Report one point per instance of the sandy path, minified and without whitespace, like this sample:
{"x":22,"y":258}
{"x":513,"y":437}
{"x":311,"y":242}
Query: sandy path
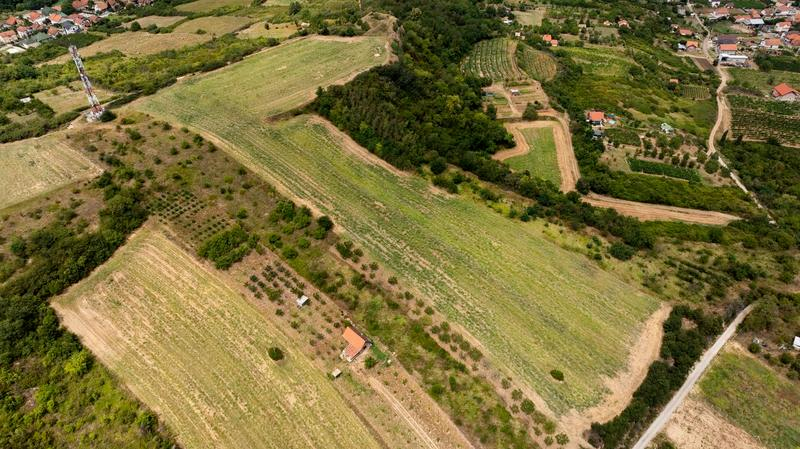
{"x":403,"y":413}
{"x":658,"y":212}
{"x":697,"y":426}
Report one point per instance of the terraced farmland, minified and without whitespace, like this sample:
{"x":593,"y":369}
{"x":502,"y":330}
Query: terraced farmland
{"x":193,"y":350}
{"x":534,"y":306}
{"x":541,"y":160}
{"x":283,"y":77}
{"x":538,"y":64}
{"x":35,"y":166}
{"x":695,"y":92}
{"x":759,"y":119}
{"x":494,"y":59}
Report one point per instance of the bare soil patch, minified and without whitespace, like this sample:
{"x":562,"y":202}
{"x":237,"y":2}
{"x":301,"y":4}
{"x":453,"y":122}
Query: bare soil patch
{"x":697,"y":426}
{"x":658,"y":212}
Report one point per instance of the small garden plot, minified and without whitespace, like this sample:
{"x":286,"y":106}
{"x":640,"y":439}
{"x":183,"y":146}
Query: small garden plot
{"x":275,"y":30}
{"x":35,"y":166}
{"x":755,"y":398}
{"x":539,"y":65}
{"x":67,"y":99}
{"x":541,"y":161}
{"x":214,"y":25}
{"x":189,"y":346}
{"x":623,"y":136}
{"x":210,"y":5}
{"x":761,"y":119}
{"x":494,"y":59}
{"x":695,"y":92}
{"x":659,"y":168}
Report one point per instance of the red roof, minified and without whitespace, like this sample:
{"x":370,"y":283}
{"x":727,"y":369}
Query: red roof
{"x":728,"y":47}
{"x":33,"y":15}
{"x":685,"y":32}
{"x":782,"y":89}
{"x":772,"y":42}
{"x":11,"y":20}
{"x":694,"y":44}
{"x":355,"y":342}
{"x":547,"y":38}
{"x":596,"y":116}
{"x":52,"y":31}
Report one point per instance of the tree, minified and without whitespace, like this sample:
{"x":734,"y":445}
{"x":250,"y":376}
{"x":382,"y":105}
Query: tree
{"x":107,"y":116}
{"x":135,"y":26}
{"x":557,"y":375}
{"x":275,"y":353}
{"x":530,"y":112}
{"x":294,"y":8}
{"x":438,"y":165}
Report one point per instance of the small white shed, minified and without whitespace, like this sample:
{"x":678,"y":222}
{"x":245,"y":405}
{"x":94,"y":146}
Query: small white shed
{"x":301,"y":301}
{"x":796,"y":343}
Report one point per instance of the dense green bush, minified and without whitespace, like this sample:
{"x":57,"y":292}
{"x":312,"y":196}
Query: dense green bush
{"x":227,"y":247}
{"x":658,"y":168}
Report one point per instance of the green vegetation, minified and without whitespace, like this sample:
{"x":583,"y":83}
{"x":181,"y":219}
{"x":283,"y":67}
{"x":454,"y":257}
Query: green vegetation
{"x":695,"y":92}
{"x":493,"y":59}
{"x":624,"y":136}
{"x":759,"y":82}
{"x":763,"y":119}
{"x":538,"y":64}
{"x":541,"y":161}
{"x":226,"y":247}
{"x":658,"y":168}
{"x":754,"y":398}
{"x":469,"y":273}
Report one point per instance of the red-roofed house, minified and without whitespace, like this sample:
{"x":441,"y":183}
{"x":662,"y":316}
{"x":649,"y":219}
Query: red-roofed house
{"x":11,"y":21}
{"x":719,"y":13}
{"x":7,"y":37}
{"x":53,"y":31}
{"x":772,"y":43}
{"x":547,"y":38}
{"x":728,"y":48}
{"x":685,"y":32}
{"x":622,"y":23}
{"x":34,"y":17}
{"x":356,"y":344}
{"x":554,"y":43}
{"x":80,"y":4}
{"x":692,"y":45}
{"x":785,"y":92}
{"x":24,"y":32}
{"x":595,"y":117}
{"x":782,"y":27}
{"x":55,"y":18}
{"x":100,"y":7}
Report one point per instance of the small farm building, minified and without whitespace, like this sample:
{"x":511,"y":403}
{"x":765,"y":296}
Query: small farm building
{"x":596,"y":117}
{"x":336,"y":373}
{"x":785,"y":92}
{"x":734,"y":60}
{"x":356,"y":344}
{"x":667,"y":129}
{"x":301,"y":301}
{"x":796,"y":343}
{"x":728,"y":48}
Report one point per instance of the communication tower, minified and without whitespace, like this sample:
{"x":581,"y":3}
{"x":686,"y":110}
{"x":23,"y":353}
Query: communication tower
{"x":95,"y":107}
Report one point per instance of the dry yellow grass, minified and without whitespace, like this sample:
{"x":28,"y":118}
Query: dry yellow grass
{"x":63,"y":99}
{"x":195,"y":351}
{"x":159,"y":21}
{"x":35,"y":166}
{"x":276,"y":30}
{"x":214,"y":25}
{"x":139,"y":43}
{"x":210,"y":5}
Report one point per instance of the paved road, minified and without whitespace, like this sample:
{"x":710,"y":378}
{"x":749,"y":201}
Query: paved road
{"x":691,"y":380}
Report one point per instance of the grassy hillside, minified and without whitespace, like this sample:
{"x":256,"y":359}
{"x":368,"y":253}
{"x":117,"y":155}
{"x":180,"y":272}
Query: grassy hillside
{"x":534,"y":306}
{"x":171,"y":329}
{"x":755,"y":398}
{"x":541,"y":161}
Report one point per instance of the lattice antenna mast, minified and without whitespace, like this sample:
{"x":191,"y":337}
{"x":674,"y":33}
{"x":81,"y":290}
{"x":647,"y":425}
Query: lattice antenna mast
{"x":96,"y":107}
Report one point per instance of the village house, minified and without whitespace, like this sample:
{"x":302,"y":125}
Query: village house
{"x":785,"y":92}
{"x":730,"y":49}
{"x":596,"y":118}
{"x":772,"y":43}
{"x":554,"y":43}
{"x":80,"y":5}
{"x":622,"y":23}
{"x":782,"y":27}
{"x":7,"y":37}
{"x":356,"y":344}
{"x":685,"y":32}
{"x":692,"y":45}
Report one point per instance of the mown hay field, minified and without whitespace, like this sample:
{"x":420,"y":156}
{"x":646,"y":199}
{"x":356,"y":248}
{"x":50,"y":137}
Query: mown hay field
{"x":283,"y":77}
{"x":31,"y":167}
{"x":276,"y":30}
{"x":755,"y":398}
{"x":494,"y":59}
{"x":137,"y":43}
{"x":210,"y":5}
{"x":541,"y":161}
{"x":214,"y":25}
{"x":195,"y":351}
{"x":159,"y":21}
{"x":532,"y":17}
{"x":534,"y":306}
{"x":65,"y":99}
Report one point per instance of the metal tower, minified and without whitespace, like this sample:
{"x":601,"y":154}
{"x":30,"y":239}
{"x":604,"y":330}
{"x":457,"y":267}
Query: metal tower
{"x":95,"y":107}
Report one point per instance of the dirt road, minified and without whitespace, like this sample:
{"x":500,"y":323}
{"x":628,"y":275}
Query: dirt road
{"x":691,"y":380}
{"x":658,"y":212}
{"x":403,"y":413}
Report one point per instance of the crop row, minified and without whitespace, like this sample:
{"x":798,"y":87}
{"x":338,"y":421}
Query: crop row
{"x":491,"y":59}
{"x":658,"y":168}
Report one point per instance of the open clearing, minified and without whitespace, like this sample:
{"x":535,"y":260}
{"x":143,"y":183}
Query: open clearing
{"x":63,"y":99}
{"x":276,"y":30}
{"x":534,"y":306}
{"x":137,"y":43}
{"x":278,"y":79}
{"x":754,"y":398}
{"x":539,"y":155}
{"x":530,"y":18}
{"x":214,"y":25}
{"x":194,"y":351}
{"x":697,"y":426}
{"x":159,"y":21}
{"x":210,"y":5}
{"x":34,"y":166}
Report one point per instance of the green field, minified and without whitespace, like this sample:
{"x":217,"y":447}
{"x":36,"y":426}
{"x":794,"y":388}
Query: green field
{"x":755,"y":398}
{"x":601,"y":61}
{"x":541,"y":160}
{"x":493,"y":59}
{"x":283,"y":77}
{"x":759,"y":119}
{"x":193,"y":350}
{"x":763,"y":82}
{"x":210,"y":5}
{"x":35,"y":166}
{"x":537,"y":64}
{"x":695,"y":92}
{"x":534,"y":306}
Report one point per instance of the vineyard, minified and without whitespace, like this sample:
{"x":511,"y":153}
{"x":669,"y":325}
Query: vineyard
{"x":534,"y":306}
{"x":537,"y":64}
{"x":494,"y":59}
{"x":139,"y":314}
{"x":659,"y":168}
{"x":601,"y":61}
{"x":695,"y":92}
{"x":35,"y":166}
{"x":760,"y":119}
